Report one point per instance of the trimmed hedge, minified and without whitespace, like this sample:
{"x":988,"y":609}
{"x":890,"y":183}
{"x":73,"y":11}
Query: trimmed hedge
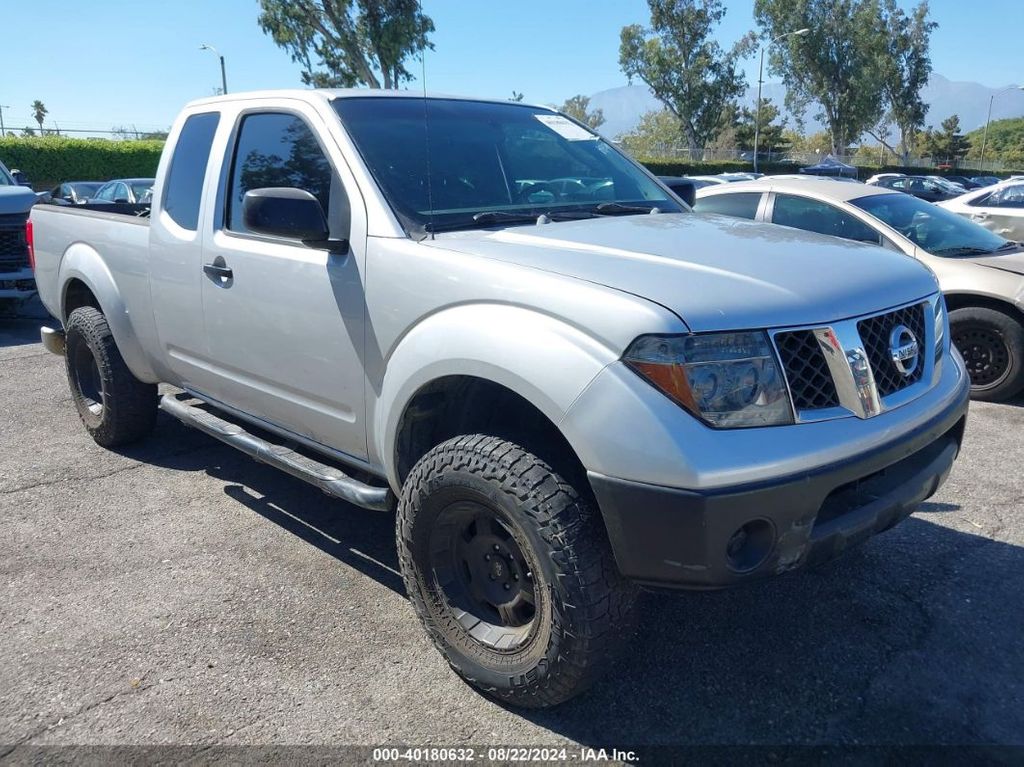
{"x":48,"y":160}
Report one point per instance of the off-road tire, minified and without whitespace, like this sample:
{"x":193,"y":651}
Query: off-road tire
{"x":973,"y":328}
{"x":115,"y":406}
{"x":584,"y":608}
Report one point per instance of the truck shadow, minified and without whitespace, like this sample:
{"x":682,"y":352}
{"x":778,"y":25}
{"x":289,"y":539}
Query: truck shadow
{"x":18,"y":332}
{"x":912,"y":638}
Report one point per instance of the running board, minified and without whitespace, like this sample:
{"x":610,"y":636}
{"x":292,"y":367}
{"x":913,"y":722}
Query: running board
{"x":331,"y":480}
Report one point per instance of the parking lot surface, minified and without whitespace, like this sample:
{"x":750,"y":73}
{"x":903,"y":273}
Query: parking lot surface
{"x":178,"y":592}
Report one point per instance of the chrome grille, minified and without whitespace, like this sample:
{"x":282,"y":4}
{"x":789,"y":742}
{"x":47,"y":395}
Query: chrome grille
{"x":13,"y":250}
{"x":810,"y":381}
{"x":875,"y":332}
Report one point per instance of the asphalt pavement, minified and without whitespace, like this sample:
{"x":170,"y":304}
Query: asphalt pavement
{"x":178,"y":592}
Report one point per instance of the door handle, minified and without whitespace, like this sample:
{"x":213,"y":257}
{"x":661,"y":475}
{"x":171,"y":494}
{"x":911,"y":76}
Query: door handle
{"x":979,"y":216}
{"x":218,"y":271}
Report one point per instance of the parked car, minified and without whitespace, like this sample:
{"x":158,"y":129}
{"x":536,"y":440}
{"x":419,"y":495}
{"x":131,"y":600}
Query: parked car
{"x":947,"y":184}
{"x":131,"y":191}
{"x":983,"y":181}
{"x":919,"y":186}
{"x":979,"y":272}
{"x":74,"y":192}
{"x":17,"y":283}
{"x":562,"y":397}
{"x":684,"y":188}
{"x":879,"y":176}
{"x":999,"y":208}
{"x":966,"y":183}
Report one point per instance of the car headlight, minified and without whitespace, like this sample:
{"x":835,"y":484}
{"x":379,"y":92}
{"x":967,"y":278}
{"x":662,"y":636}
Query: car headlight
{"x":941,"y":324}
{"x":728,"y":380}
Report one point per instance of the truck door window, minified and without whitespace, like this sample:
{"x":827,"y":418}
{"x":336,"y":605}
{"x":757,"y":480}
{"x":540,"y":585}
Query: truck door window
{"x":278,"y":150}
{"x":738,"y":204}
{"x":184,"y":189}
{"x":815,"y":216}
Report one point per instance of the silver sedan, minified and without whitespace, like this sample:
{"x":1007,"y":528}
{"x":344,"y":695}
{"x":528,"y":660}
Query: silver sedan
{"x":979,"y":271}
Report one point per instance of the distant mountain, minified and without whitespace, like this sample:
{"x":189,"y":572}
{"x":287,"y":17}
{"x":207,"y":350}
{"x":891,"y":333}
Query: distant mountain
{"x":624,"y":106}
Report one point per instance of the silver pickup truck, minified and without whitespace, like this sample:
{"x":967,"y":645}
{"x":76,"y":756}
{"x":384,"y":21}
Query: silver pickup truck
{"x":485,"y":317}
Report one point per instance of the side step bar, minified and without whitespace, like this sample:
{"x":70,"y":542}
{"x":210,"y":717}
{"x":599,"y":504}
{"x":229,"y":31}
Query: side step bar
{"x":331,"y":480}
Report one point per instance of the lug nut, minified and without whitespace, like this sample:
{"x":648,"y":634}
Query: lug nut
{"x":497,"y":547}
{"x":487,"y":557}
{"x":507,"y":587}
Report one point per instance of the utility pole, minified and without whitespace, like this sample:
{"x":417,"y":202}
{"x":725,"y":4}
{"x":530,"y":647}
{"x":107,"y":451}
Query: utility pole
{"x":984,"y":136}
{"x":760,"y":80}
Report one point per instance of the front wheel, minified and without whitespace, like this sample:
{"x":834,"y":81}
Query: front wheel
{"x":510,"y":571}
{"x":992,"y":345}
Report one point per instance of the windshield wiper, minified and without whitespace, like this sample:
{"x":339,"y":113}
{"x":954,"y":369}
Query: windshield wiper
{"x":487,"y":217}
{"x":618,"y":208}
{"x":968,"y":251}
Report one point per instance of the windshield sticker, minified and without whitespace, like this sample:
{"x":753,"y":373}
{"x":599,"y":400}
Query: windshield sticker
{"x":565,"y":128}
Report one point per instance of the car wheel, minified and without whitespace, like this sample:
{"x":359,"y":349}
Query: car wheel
{"x":510,"y":572}
{"x":992,"y":345}
{"x":115,"y":406}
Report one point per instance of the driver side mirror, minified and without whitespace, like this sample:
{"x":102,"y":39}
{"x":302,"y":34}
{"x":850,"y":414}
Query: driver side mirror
{"x":684,"y":190}
{"x":288,"y":212}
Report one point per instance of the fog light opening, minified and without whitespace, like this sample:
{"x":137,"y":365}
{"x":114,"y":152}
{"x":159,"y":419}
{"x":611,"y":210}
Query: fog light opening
{"x":750,"y":546}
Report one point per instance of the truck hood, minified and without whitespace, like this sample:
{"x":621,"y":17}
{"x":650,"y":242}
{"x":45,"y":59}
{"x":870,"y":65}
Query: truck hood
{"x":16,"y":199}
{"x":714,"y":272}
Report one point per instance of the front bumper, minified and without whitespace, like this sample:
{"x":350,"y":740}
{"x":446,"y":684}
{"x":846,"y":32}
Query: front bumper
{"x":686,"y":539}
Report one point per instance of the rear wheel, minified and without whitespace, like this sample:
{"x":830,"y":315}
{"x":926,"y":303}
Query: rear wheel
{"x":115,"y":406}
{"x":510,"y":571}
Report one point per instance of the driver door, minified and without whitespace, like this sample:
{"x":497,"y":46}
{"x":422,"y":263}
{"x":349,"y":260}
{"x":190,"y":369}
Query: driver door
{"x":284,"y":321}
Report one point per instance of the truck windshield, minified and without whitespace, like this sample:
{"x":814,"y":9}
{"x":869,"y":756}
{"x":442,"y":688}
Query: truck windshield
{"x":933,"y":229}
{"x":491,"y":164}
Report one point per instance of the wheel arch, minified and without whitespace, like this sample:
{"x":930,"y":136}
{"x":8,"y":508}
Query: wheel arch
{"x":86,"y":280}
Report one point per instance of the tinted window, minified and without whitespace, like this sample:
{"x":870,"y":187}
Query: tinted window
{"x":184,"y":188}
{"x":741,"y":204}
{"x":933,"y":229}
{"x":444,"y":162}
{"x":106,"y":193}
{"x":276,"y":150}
{"x":820,"y":217}
{"x":1009,"y":197}
{"x":142,"y":189}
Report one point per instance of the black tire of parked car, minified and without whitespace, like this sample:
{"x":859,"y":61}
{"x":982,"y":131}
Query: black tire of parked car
{"x":510,"y":572}
{"x":992,"y":345}
{"x":115,"y":406}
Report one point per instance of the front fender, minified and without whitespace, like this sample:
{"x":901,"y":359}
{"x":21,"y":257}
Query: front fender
{"x":82,"y":262}
{"x":543,"y":359}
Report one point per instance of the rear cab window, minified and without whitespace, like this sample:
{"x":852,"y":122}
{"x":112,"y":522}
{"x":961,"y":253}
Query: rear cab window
{"x":738,"y":204}
{"x":183,"y":190}
{"x":816,"y":216}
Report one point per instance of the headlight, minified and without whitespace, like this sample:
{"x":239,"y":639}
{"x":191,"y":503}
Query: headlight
{"x":728,"y":380}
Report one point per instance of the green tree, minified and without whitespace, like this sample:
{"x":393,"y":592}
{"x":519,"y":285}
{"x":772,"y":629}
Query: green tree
{"x":658,"y":134}
{"x":905,"y":67}
{"x":517,"y":96}
{"x":39,"y":112}
{"x":1005,"y":141}
{"x":578,"y":107}
{"x":836,"y":65}
{"x":947,"y":145}
{"x":346,"y":43}
{"x":686,"y":69}
{"x":772,"y":138}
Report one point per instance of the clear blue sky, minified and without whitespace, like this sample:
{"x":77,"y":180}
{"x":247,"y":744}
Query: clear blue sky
{"x":100,"y":63}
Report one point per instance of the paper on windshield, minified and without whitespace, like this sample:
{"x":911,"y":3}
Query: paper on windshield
{"x":565,"y":128}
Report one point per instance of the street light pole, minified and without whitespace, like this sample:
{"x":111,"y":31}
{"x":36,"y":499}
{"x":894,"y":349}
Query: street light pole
{"x":223,"y":72}
{"x":984,"y":136}
{"x":760,"y":81}
{"x":2,"y":108}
